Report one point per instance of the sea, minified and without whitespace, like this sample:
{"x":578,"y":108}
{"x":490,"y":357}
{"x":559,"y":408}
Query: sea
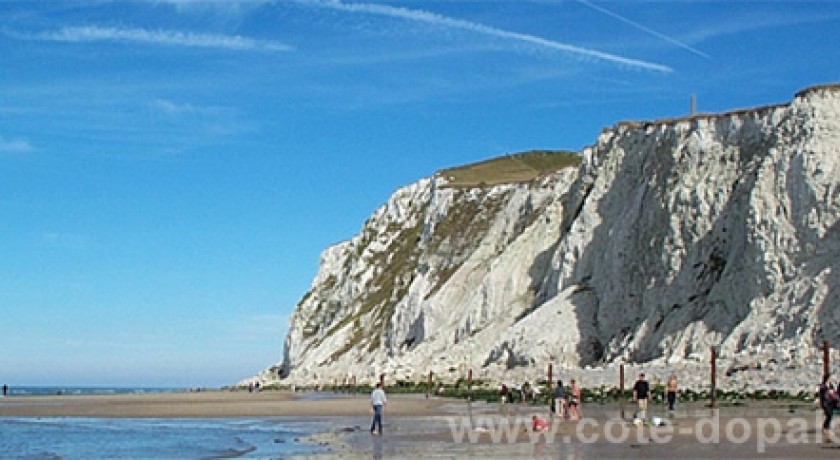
{"x":71,"y":390}
{"x":53,"y":438}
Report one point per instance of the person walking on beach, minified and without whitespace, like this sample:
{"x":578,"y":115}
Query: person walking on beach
{"x":5,"y":389}
{"x":560,"y":400}
{"x":671,"y":389}
{"x":377,"y":403}
{"x":641,"y":393}
{"x":828,"y":401}
{"x":575,"y":400}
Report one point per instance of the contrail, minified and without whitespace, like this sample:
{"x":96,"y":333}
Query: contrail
{"x":159,"y":37}
{"x":647,"y":30}
{"x":445,"y":21}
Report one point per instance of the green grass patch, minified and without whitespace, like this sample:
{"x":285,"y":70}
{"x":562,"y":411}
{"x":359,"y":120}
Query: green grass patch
{"x":387,"y":288}
{"x":520,"y":167}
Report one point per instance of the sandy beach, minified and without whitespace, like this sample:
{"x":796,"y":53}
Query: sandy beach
{"x":210,"y":404}
{"x":446,"y":428}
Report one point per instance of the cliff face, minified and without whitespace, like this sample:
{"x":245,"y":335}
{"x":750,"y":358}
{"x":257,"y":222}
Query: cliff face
{"x":669,"y":238}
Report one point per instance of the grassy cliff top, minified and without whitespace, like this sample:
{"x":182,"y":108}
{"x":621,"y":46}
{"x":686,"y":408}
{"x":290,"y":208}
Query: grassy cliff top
{"x":520,"y":167}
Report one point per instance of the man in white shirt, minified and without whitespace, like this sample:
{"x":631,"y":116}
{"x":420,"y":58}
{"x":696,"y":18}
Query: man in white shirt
{"x":377,"y":402}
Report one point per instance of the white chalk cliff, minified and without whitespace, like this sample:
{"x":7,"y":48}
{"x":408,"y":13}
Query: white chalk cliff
{"x":670,"y":237}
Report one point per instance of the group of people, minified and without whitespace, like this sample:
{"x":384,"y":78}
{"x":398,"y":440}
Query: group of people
{"x":642,"y":393}
{"x":567,"y":406}
{"x":566,"y":402}
{"x":524,"y":392}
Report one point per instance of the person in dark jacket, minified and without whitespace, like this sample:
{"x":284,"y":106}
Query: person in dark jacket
{"x":560,"y":403}
{"x":828,"y":401}
{"x":641,"y":394}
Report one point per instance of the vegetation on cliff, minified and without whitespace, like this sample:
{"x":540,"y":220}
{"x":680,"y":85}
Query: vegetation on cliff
{"x":520,"y":167}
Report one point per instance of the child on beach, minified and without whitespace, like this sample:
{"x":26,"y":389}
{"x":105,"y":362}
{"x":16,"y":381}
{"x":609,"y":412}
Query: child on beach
{"x":538,"y":424}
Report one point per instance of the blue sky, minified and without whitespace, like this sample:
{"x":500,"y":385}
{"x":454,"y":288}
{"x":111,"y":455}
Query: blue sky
{"x":171,"y":170}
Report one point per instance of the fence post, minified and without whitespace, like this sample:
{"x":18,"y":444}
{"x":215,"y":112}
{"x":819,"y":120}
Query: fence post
{"x":826,"y":358}
{"x":621,"y":388}
{"x":429,"y":385}
{"x":550,"y":377}
{"x":714,"y":378}
{"x":550,"y":394}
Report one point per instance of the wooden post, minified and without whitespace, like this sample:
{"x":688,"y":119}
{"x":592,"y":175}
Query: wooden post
{"x":429,"y":385}
{"x":550,"y":368}
{"x":714,"y":378}
{"x":826,"y":358}
{"x":550,"y":393}
{"x":621,"y":388}
{"x":469,"y":384}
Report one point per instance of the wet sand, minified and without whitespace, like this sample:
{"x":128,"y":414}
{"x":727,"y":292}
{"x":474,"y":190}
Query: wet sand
{"x":209,"y":404}
{"x":417,"y":427}
{"x":759,"y":430}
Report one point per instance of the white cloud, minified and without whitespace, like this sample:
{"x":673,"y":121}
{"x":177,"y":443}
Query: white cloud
{"x":14,"y":145}
{"x":161,"y":37}
{"x":173,"y":109}
{"x":170,"y":108}
{"x":453,"y":23}
{"x":734,"y":26}
{"x":225,"y":7}
{"x":65,"y":240}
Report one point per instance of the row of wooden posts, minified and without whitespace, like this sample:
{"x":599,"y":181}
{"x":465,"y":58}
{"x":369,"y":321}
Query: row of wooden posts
{"x":826,"y":369}
{"x":713,"y":377}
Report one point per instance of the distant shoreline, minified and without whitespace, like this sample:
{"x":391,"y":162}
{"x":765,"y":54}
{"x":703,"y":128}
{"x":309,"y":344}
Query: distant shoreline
{"x":81,"y":390}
